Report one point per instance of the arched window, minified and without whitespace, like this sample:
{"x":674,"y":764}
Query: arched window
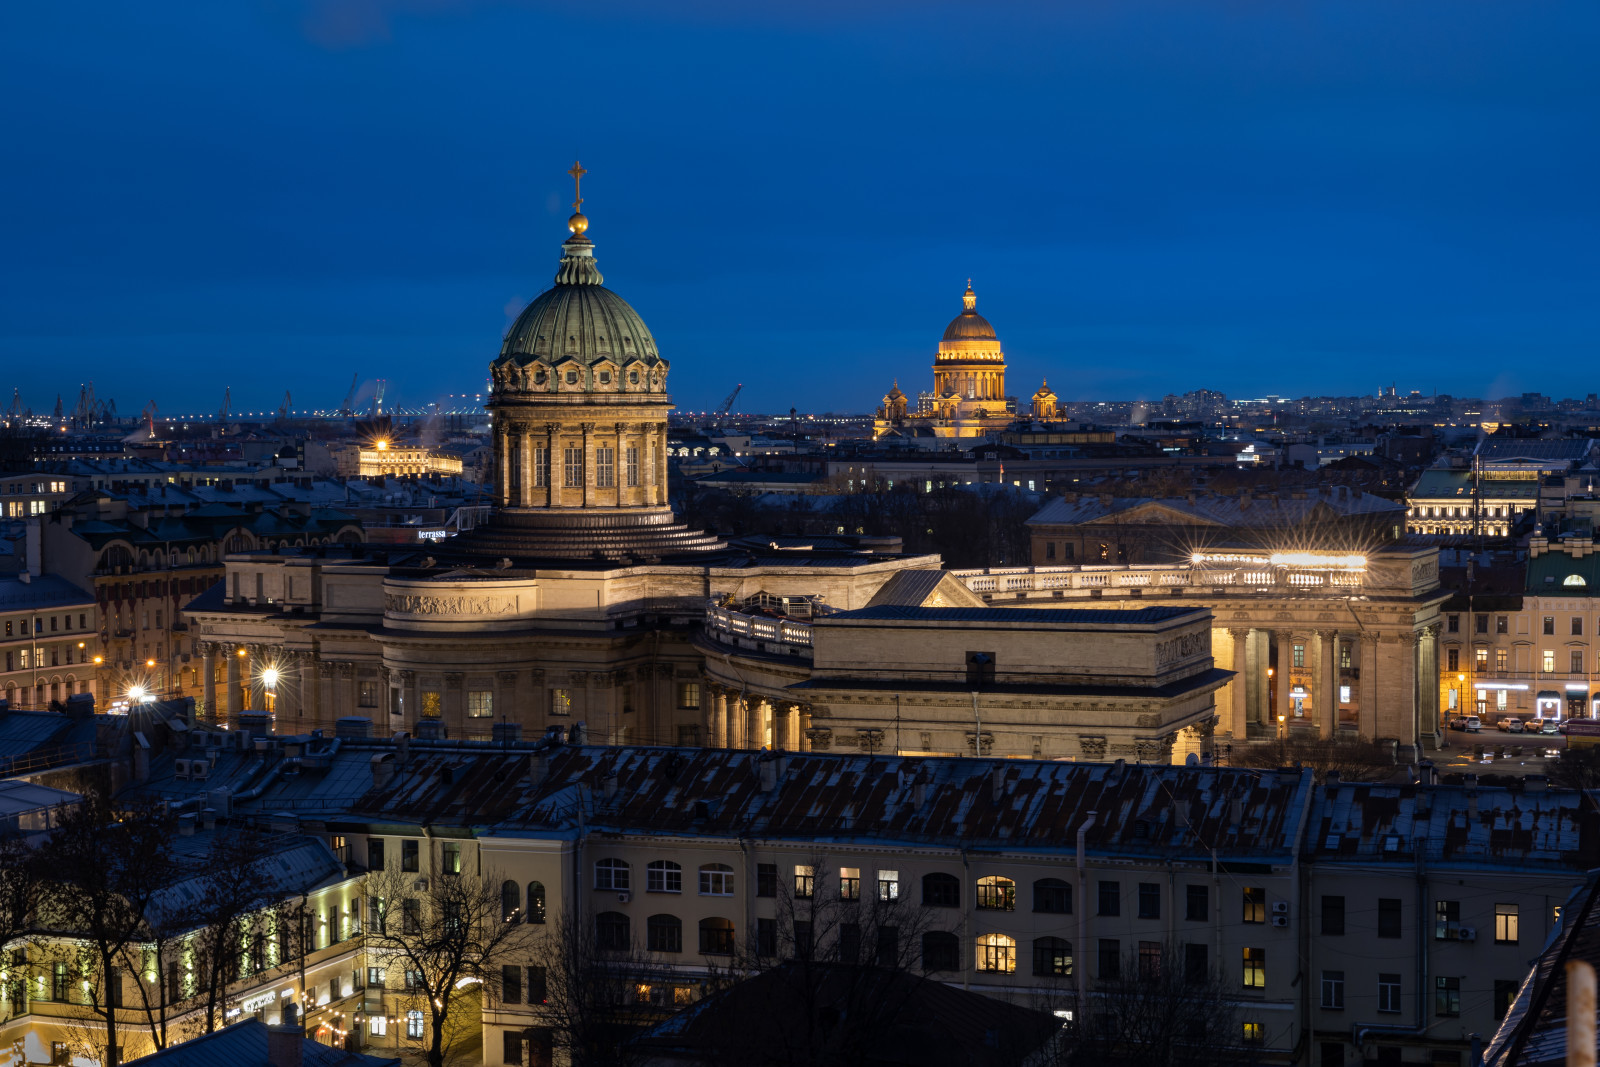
{"x":664,"y":933}
{"x":1052,"y":895}
{"x":611,"y":932}
{"x":535,"y":912}
{"x":997,"y":894}
{"x":1052,"y":956}
{"x":716,"y":880}
{"x":941,"y":890}
{"x":997,"y":952}
{"x":611,"y":874}
{"x":663,"y":876}
{"x":510,"y":902}
{"x":941,"y":951}
{"x":716,"y":937}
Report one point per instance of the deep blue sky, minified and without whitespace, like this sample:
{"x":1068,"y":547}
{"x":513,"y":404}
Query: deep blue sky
{"x":1249,"y":196}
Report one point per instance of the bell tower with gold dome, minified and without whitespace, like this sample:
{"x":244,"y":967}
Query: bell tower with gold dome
{"x":579,"y":405}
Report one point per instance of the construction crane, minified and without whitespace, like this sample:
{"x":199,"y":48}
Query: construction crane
{"x":227,"y":404}
{"x":377,"y":399}
{"x":347,"y":408}
{"x":727,"y":405}
{"x":150,"y":418}
{"x":283,"y":408}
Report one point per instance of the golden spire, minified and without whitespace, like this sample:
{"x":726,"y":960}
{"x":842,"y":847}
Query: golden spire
{"x":969,"y":299}
{"x":577,"y":223}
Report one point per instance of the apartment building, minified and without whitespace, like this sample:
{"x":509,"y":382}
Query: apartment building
{"x":1344,"y":922}
{"x":48,"y":640}
{"x":1528,"y":655}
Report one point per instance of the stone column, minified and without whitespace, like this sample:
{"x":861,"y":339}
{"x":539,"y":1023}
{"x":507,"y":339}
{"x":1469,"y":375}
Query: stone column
{"x":803,"y":716}
{"x":758,"y":723}
{"x":410,"y":699}
{"x":720,"y":734}
{"x":1239,"y":638}
{"x":738,"y":718}
{"x":1367,"y":713}
{"x":235,"y":694}
{"x":1259,"y":656}
{"x":619,"y":463}
{"x":208,"y":661}
{"x":502,"y":468}
{"x":552,"y":492}
{"x":1281,"y":678}
{"x":661,"y":473}
{"x":588,"y":463}
{"x":528,"y":490}
{"x":1427,"y":670}
{"x":791,"y":727}
{"x":1325,"y":701}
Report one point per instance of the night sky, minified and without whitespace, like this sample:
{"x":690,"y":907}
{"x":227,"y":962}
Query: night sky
{"x":1269,"y":197}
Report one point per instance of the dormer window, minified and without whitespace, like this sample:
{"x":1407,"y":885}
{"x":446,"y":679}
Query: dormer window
{"x":633,"y":377}
{"x":605,"y":377}
{"x":1574,"y":579}
{"x":572,"y":377}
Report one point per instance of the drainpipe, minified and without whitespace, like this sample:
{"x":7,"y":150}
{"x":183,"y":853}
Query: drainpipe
{"x":1078,"y":964}
{"x":967,"y":944}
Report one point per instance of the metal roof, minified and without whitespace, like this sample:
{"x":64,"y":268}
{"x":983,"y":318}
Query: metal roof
{"x":244,"y":1044}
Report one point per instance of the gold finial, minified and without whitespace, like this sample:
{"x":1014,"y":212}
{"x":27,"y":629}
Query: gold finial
{"x":969,"y":299}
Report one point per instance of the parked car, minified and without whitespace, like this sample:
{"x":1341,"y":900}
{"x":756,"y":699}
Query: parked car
{"x":1472,"y":724}
{"x":1510,"y":724}
{"x":1549,"y":726}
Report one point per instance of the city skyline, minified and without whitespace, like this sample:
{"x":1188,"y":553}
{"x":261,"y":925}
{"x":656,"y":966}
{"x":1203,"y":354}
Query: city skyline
{"x":1148,"y":199}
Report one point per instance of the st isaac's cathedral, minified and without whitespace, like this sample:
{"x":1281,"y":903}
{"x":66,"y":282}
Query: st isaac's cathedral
{"x":584,"y":607}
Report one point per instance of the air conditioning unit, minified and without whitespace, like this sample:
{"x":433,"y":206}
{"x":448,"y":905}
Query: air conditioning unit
{"x":1280,"y":907}
{"x":1280,"y":920}
{"x":200,"y":769}
{"x":180,"y":769}
{"x":1467,"y":933}
{"x":420,"y":884}
{"x":624,"y":896}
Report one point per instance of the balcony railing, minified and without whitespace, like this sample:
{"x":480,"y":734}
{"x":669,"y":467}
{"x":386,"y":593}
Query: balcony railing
{"x":729,"y":625}
{"x":1091,"y":577}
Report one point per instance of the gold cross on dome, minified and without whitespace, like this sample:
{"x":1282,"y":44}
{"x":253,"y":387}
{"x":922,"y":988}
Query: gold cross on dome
{"x":577,"y":173}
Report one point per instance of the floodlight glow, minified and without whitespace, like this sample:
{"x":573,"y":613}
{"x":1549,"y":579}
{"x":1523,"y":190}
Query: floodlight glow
{"x":137,"y":693}
{"x":1320,"y":560}
{"x":270,"y":677}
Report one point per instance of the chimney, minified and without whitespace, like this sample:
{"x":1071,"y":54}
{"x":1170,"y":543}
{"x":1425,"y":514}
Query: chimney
{"x":538,"y":769}
{"x":997,"y":783}
{"x":768,"y":771}
{"x":286,"y":1043}
{"x":919,"y":792}
{"x":382,"y":769}
{"x":608,"y":786}
{"x":186,"y":823}
{"x":353,"y":727}
{"x":208,"y":818}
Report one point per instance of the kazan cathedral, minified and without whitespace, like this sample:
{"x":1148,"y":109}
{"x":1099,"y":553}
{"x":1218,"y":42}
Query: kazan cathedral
{"x":583,"y":609}
{"x":969,"y":386}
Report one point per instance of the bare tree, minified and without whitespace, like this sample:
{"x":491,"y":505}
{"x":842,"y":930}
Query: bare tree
{"x":592,"y":1005}
{"x":107,"y":866}
{"x":21,"y":884}
{"x":447,"y":932}
{"x":1160,"y":1012}
{"x":1354,"y":760}
{"x":233,"y":894}
{"x":842,"y":967}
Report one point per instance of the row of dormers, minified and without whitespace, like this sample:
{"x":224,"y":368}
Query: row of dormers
{"x":568,"y":374}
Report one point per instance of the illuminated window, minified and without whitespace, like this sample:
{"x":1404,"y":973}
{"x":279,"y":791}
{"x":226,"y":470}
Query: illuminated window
{"x":1500,"y":660}
{"x":480,"y":703}
{"x":997,"y":952}
{"x":414,"y":1023}
{"x":1255,"y":968}
{"x":1255,"y":905}
{"x":997,"y":894}
{"x":688,"y":694}
{"x":888,"y":886}
{"x":849,"y":883}
{"x":1254,"y":1033}
{"x":1480,"y":657}
{"x":1548,"y":661}
{"x":1299,"y":655}
{"x":1505,"y":924}
{"x":560,"y":702}
{"x":805,"y":882}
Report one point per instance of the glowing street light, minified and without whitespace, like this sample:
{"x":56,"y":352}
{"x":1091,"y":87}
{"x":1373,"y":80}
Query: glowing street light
{"x":270,"y":677}
{"x":137,"y":694}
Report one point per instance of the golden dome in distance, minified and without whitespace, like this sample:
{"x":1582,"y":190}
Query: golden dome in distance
{"x":969,"y":325}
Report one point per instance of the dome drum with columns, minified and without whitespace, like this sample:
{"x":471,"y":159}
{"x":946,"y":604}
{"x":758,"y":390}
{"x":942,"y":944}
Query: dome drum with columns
{"x":579,"y":405}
